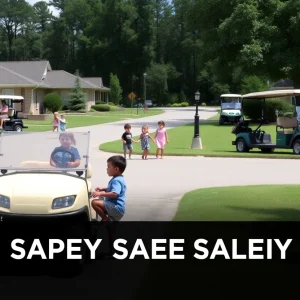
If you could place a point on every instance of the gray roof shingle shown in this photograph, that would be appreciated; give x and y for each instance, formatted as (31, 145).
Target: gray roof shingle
(97, 81)
(61, 79)
(8, 77)
(40, 73)
(33, 70)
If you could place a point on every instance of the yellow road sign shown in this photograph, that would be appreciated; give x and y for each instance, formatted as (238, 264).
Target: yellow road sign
(131, 96)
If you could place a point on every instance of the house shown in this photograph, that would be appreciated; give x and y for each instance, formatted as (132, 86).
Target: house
(283, 84)
(34, 79)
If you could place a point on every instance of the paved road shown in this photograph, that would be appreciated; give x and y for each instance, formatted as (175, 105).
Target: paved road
(156, 186)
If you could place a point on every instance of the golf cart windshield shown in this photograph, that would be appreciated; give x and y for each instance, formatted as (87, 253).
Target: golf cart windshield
(44, 151)
(231, 105)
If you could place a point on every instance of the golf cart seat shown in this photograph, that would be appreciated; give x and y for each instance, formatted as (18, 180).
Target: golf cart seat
(288, 131)
(46, 165)
(286, 122)
(11, 112)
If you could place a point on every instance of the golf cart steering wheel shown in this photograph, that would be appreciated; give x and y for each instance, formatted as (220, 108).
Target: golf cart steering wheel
(62, 157)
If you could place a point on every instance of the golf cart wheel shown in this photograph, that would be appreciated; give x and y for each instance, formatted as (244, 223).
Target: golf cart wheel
(221, 121)
(241, 145)
(296, 146)
(18, 128)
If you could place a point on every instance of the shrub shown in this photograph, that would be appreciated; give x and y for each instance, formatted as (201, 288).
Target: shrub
(203, 104)
(92, 110)
(176, 105)
(101, 107)
(113, 108)
(252, 109)
(169, 105)
(111, 104)
(82, 111)
(184, 104)
(52, 102)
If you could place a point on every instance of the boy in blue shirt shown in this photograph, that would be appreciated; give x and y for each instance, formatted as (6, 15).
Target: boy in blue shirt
(113, 205)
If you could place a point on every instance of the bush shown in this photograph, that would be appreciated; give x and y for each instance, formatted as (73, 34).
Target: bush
(82, 111)
(176, 105)
(203, 104)
(114, 108)
(111, 104)
(184, 104)
(169, 105)
(101, 107)
(252, 109)
(53, 102)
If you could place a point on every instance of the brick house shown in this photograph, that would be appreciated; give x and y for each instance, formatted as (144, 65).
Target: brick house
(34, 79)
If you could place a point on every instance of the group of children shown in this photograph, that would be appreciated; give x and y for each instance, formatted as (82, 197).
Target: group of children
(160, 139)
(59, 122)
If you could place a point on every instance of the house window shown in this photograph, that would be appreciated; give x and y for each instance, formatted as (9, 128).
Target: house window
(65, 97)
(8, 92)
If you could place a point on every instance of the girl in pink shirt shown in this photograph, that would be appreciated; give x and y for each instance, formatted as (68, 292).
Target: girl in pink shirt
(161, 138)
(56, 120)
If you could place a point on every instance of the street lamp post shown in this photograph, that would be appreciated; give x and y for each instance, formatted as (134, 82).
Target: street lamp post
(145, 74)
(196, 143)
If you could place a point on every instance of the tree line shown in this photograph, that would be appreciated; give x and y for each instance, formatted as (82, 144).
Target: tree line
(216, 46)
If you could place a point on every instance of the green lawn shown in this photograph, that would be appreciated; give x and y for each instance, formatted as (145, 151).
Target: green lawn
(92, 119)
(241, 203)
(216, 141)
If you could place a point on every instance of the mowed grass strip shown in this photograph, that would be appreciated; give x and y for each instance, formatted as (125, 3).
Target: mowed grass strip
(91, 119)
(241, 203)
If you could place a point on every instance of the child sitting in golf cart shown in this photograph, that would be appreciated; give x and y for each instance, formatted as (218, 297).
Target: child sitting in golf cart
(66, 155)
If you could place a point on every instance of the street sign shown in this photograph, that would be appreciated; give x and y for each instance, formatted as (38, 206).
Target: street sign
(131, 96)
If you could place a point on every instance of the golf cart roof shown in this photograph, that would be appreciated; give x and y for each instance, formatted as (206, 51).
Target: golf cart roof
(231, 96)
(272, 94)
(12, 97)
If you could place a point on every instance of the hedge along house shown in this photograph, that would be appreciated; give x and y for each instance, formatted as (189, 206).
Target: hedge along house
(34, 79)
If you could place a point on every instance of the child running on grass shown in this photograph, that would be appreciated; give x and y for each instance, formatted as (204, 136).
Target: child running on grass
(145, 138)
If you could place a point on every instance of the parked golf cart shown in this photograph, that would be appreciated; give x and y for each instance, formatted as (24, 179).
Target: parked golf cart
(33, 190)
(287, 128)
(14, 122)
(230, 108)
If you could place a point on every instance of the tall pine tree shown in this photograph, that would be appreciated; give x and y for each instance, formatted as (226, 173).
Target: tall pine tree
(77, 98)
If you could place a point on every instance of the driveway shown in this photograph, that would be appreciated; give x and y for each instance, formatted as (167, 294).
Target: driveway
(156, 186)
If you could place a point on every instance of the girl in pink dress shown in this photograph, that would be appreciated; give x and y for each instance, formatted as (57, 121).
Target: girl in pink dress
(161, 138)
(55, 123)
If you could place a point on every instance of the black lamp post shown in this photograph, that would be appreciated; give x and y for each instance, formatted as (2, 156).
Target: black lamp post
(196, 143)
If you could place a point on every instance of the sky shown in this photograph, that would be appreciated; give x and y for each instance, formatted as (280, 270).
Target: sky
(55, 12)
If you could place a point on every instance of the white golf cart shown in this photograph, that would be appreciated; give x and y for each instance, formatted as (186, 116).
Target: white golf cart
(230, 108)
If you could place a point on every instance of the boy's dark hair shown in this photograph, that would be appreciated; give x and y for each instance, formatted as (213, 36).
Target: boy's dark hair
(118, 161)
(127, 126)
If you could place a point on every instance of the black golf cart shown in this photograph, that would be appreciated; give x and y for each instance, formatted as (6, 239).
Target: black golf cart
(14, 122)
